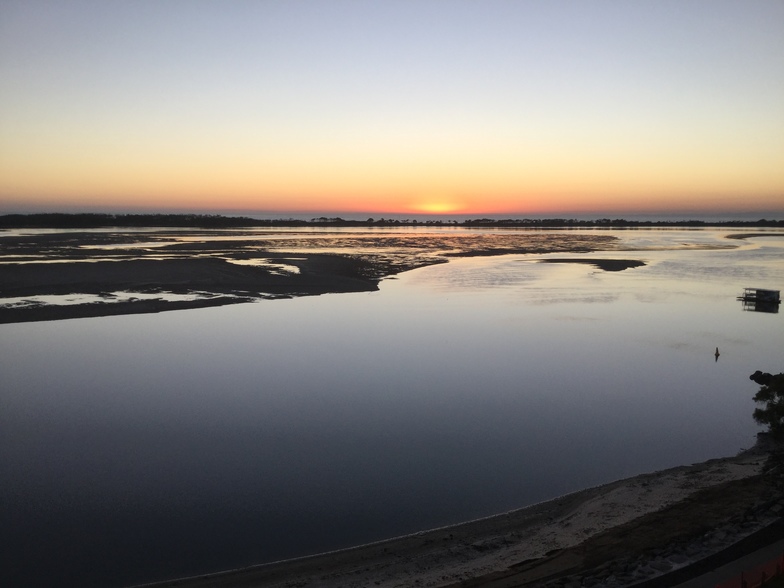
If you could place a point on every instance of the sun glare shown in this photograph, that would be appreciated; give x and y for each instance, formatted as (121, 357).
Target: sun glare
(436, 207)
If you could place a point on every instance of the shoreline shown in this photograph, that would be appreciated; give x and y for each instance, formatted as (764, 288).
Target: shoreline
(569, 534)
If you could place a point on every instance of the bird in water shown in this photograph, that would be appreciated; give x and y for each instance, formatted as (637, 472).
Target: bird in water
(717, 354)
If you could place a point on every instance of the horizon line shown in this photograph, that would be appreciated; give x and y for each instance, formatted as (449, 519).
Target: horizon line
(336, 217)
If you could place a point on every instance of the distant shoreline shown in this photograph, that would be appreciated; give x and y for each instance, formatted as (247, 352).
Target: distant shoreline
(101, 220)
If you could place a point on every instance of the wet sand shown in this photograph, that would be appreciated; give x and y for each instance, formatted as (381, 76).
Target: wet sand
(212, 281)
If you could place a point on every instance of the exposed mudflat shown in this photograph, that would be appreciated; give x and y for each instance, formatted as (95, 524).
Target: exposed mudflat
(229, 267)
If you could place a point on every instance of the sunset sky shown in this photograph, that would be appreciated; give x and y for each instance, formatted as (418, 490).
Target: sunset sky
(401, 106)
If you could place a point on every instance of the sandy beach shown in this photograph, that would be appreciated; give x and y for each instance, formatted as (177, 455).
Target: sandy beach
(570, 536)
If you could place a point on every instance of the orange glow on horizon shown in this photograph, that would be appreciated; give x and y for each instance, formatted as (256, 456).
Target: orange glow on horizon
(552, 203)
(437, 205)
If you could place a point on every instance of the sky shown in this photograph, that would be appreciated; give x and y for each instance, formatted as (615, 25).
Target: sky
(491, 107)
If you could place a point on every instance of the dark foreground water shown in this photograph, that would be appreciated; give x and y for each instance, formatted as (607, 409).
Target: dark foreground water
(146, 447)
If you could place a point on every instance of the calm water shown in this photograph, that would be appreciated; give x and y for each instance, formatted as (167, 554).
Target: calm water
(145, 447)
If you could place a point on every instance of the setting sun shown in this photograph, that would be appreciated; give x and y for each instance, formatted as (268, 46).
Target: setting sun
(436, 206)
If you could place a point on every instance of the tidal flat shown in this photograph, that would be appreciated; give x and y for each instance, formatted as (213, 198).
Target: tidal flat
(227, 267)
(158, 445)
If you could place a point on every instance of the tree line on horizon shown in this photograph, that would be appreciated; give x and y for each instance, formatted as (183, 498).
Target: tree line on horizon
(216, 221)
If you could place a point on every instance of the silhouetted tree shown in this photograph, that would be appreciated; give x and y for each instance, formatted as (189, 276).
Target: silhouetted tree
(771, 394)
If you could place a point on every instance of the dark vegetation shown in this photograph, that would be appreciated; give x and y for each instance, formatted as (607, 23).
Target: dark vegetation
(771, 413)
(214, 221)
(771, 396)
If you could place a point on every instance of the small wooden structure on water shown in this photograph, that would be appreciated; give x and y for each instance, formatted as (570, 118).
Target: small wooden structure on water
(760, 299)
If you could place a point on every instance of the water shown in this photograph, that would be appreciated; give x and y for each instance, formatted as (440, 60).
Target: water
(145, 447)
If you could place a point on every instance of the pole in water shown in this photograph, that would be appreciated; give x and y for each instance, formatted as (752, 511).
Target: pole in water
(717, 354)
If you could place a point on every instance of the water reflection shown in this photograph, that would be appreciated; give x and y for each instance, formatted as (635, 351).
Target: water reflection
(759, 306)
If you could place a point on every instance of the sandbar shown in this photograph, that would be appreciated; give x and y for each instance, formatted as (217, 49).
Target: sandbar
(219, 268)
(608, 265)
